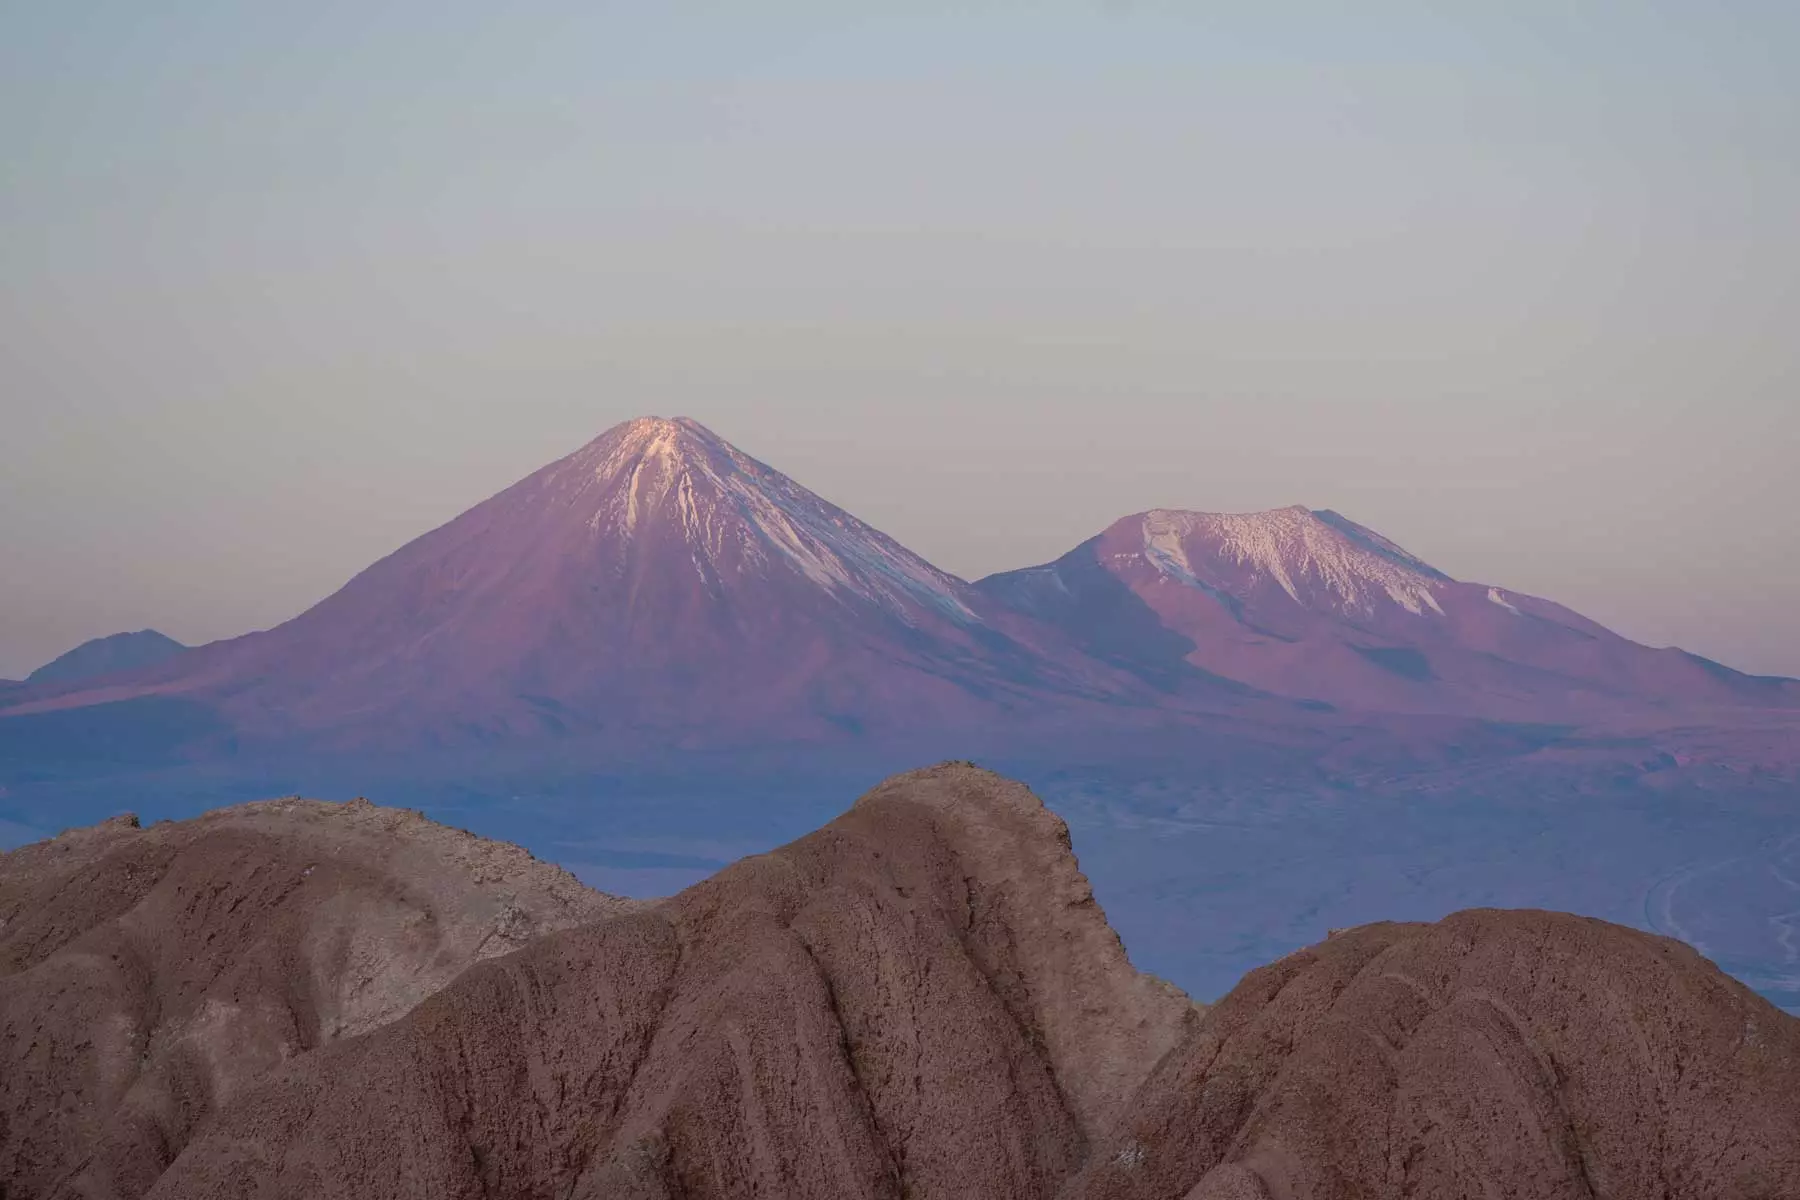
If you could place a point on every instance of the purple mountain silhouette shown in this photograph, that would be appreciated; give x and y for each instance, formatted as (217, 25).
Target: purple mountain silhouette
(659, 588)
(1312, 605)
(657, 581)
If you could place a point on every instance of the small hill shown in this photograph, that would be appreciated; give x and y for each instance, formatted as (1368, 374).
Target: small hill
(107, 655)
(1515, 1053)
(148, 977)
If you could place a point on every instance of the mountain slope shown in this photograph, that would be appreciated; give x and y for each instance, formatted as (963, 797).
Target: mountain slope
(1312, 605)
(656, 580)
(105, 655)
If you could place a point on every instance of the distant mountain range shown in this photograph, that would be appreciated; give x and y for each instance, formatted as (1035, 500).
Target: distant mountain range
(658, 654)
(659, 586)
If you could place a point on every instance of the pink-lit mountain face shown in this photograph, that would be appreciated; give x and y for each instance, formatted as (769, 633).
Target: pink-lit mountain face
(657, 580)
(1311, 605)
(659, 589)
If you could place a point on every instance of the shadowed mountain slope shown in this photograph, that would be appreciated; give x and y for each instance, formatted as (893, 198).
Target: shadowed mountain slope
(105, 655)
(148, 976)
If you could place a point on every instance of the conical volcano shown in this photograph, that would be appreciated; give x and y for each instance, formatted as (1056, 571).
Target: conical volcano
(658, 580)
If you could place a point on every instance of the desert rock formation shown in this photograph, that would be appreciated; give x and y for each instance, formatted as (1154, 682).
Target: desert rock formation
(1520, 1054)
(148, 976)
(921, 999)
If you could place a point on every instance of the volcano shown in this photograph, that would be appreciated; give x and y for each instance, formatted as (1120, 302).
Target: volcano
(656, 581)
(1311, 605)
(661, 591)
(106, 655)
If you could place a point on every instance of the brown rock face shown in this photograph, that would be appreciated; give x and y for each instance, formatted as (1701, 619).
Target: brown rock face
(919, 1000)
(1518, 1054)
(148, 976)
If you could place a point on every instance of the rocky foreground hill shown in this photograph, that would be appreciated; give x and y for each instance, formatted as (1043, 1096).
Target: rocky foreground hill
(921, 999)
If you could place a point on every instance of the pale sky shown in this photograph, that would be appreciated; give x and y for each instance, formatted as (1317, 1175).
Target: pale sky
(1515, 283)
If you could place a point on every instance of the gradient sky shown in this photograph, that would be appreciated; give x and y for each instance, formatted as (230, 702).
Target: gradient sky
(1516, 283)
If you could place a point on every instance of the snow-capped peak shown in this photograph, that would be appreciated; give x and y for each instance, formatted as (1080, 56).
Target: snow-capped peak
(1303, 552)
(735, 514)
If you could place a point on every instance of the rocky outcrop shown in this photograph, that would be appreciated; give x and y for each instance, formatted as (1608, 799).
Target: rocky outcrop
(919, 1000)
(1520, 1054)
(149, 976)
(898, 1005)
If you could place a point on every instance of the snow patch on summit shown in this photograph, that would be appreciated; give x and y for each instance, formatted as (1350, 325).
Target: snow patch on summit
(732, 509)
(1300, 552)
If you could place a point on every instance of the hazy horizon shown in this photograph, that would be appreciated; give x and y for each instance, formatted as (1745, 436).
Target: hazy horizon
(285, 290)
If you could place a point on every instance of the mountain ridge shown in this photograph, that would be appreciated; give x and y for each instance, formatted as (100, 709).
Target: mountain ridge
(658, 587)
(1314, 606)
(655, 579)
